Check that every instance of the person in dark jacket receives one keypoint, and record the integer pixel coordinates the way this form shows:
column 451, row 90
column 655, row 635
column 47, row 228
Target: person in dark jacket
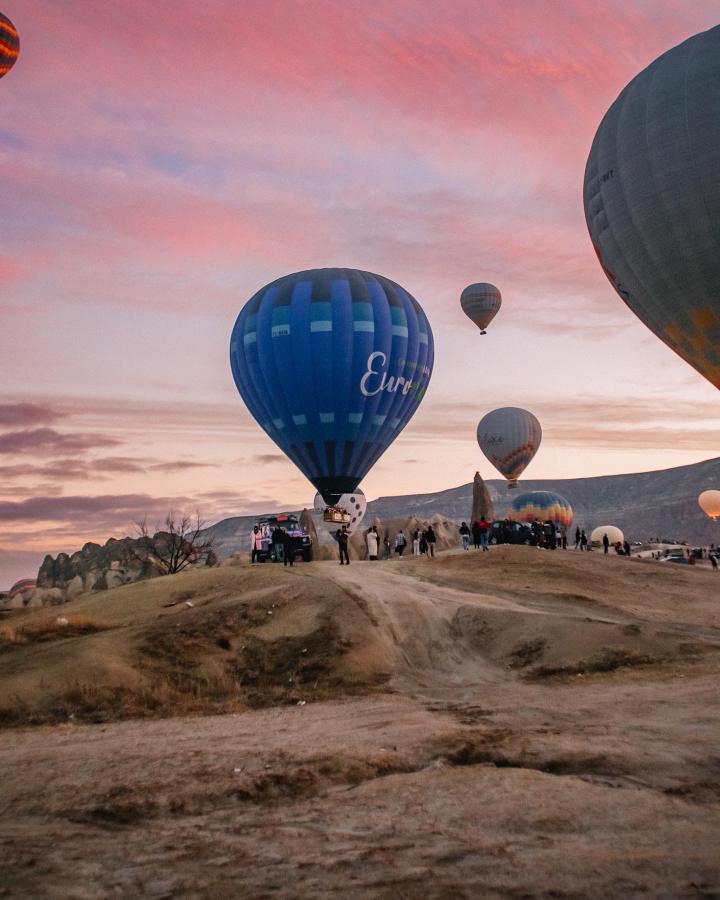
column 431, row 540
column 606, row 543
column 278, row 542
column 626, row 548
column 343, row 537
column 465, row 535
column 476, row 534
column 288, row 549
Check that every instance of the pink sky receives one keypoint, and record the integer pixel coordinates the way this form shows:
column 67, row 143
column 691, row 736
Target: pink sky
column 162, row 161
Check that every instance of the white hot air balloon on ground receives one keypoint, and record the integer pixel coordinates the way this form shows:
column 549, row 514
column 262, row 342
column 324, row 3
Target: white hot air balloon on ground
column 509, row 437
column 481, row 303
column 614, row 534
column 710, row 504
column 348, row 511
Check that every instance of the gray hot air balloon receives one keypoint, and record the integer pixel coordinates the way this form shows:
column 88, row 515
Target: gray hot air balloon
column 652, row 199
column 509, row 437
column 480, row 303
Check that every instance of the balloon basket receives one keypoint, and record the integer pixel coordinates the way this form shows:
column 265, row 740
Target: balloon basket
column 336, row 516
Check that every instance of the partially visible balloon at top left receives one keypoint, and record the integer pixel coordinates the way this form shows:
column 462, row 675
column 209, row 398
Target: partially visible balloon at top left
column 9, row 45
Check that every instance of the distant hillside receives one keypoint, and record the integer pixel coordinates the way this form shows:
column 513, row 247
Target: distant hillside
column 645, row 505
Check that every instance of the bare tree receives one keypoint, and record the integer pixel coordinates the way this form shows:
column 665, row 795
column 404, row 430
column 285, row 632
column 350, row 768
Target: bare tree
column 177, row 545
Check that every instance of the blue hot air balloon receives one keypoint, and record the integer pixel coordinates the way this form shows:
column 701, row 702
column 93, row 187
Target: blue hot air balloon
column 332, row 363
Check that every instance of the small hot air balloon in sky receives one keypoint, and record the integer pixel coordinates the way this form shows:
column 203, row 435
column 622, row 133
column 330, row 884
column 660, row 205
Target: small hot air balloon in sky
column 9, row 45
column 546, row 506
column 652, row 199
column 710, row 504
column 332, row 363
column 509, row 437
column 480, row 303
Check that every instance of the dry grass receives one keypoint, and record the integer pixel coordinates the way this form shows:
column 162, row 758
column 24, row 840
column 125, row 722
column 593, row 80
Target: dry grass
column 37, row 630
column 607, row 660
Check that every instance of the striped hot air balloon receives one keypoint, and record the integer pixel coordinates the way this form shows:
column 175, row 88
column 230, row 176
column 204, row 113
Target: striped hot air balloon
column 332, row 363
column 509, row 437
column 652, row 199
column 546, row 506
column 480, row 303
column 9, row 45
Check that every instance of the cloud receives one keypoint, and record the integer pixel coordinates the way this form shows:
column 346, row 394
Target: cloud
column 178, row 465
column 43, row 441
column 25, row 415
column 269, row 458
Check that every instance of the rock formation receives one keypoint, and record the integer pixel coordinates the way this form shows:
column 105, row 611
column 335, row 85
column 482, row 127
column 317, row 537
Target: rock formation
column 482, row 505
column 94, row 568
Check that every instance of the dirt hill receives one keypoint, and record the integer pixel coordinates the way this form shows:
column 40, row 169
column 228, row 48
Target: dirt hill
column 504, row 724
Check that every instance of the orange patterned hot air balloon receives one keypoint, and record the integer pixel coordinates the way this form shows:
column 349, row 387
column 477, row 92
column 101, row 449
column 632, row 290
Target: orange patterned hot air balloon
column 9, row 45
column 710, row 504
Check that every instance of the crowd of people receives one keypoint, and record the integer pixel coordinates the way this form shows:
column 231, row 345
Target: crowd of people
column 422, row 541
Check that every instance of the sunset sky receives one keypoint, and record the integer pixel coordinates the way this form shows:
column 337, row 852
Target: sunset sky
column 160, row 162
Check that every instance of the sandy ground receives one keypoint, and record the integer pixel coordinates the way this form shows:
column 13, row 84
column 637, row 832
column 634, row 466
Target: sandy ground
column 507, row 757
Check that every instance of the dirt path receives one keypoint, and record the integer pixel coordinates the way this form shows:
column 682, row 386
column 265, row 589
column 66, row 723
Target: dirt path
column 468, row 778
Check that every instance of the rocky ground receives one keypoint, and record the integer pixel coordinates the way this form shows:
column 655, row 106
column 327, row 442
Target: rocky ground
column 511, row 724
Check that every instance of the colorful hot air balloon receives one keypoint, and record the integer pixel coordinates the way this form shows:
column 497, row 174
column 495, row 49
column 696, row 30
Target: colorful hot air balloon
column 480, row 303
column 543, row 505
column 652, row 199
column 9, row 45
column 332, row 363
column 710, row 504
column 509, row 437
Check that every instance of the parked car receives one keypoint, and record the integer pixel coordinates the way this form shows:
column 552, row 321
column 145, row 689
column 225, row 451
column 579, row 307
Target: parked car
column 301, row 541
column 676, row 555
column 509, row 532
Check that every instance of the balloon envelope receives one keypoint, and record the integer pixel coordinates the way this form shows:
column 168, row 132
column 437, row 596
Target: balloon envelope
column 546, row 506
column 652, row 199
column 509, row 437
column 614, row 535
column 332, row 363
column 710, row 503
column 353, row 504
column 480, row 303
column 9, row 45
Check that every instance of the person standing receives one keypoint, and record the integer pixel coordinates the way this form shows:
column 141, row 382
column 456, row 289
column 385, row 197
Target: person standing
column 287, row 547
column 475, row 528
column 583, row 541
column 400, row 542
column 343, row 537
column 484, row 528
column 386, row 547
column 278, row 542
column 423, row 544
column 465, row 535
column 606, row 544
column 431, row 540
column 255, row 544
column 626, row 547
column 416, row 542
column 371, row 539
column 577, row 538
